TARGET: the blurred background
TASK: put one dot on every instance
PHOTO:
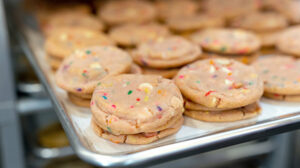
(31, 135)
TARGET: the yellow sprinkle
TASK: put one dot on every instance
(95, 65)
(253, 75)
(146, 98)
(245, 90)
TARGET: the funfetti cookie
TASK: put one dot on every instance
(227, 41)
(231, 8)
(127, 11)
(130, 35)
(281, 75)
(64, 41)
(288, 41)
(166, 73)
(176, 8)
(266, 24)
(73, 20)
(136, 109)
(242, 113)
(220, 83)
(186, 24)
(80, 73)
(169, 52)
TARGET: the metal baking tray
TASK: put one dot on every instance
(194, 137)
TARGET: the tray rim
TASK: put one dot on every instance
(161, 153)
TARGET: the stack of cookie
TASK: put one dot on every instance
(281, 75)
(166, 55)
(136, 109)
(288, 41)
(185, 25)
(220, 90)
(127, 11)
(70, 19)
(267, 25)
(237, 44)
(167, 9)
(129, 36)
(62, 42)
(80, 73)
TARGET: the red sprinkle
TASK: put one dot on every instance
(114, 106)
(181, 76)
(92, 103)
(277, 95)
(138, 99)
(209, 92)
(131, 106)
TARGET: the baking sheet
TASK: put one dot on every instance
(80, 117)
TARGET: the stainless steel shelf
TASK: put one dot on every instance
(26, 106)
(162, 151)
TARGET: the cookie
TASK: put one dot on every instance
(135, 69)
(194, 22)
(133, 104)
(227, 41)
(290, 9)
(230, 9)
(79, 101)
(189, 105)
(288, 41)
(246, 59)
(133, 34)
(73, 20)
(266, 24)
(220, 83)
(127, 11)
(137, 139)
(174, 8)
(289, 98)
(241, 113)
(169, 52)
(281, 74)
(166, 73)
(62, 42)
(261, 21)
(81, 72)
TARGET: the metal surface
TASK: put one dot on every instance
(27, 106)
(165, 152)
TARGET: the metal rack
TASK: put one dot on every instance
(159, 153)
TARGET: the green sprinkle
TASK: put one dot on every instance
(265, 71)
(99, 83)
(223, 49)
(108, 128)
(84, 74)
(88, 52)
(127, 83)
(250, 83)
(197, 81)
(129, 92)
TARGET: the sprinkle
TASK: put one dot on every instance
(211, 62)
(265, 71)
(146, 98)
(253, 75)
(226, 70)
(237, 85)
(113, 106)
(214, 76)
(79, 89)
(212, 69)
(159, 116)
(88, 52)
(99, 83)
(84, 73)
(104, 97)
(228, 82)
(223, 61)
(197, 81)
(181, 76)
(277, 95)
(159, 108)
(138, 99)
(129, 92)
(209, 92)
(223, 49)
(159, 92)
(92, 103)
(147, 87)
(95, 65)
(250, 83)
(108, 128)
(131, 106)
